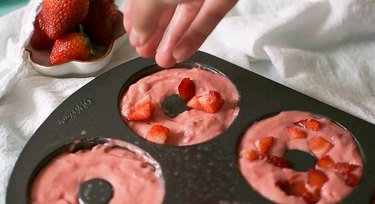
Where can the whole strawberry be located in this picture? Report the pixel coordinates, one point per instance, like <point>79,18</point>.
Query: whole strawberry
<point>39,39</point>
<point>100,20</point>
<point>74,46</point>
<point>62,16</point>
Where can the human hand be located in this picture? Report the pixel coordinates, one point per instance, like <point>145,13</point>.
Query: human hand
<point>172,30</point>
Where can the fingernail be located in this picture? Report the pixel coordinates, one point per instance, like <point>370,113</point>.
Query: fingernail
<point>135,38</point>
<point>182,53</point>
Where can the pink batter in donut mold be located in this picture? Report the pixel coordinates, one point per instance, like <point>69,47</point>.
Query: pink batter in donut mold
<point>263,175</point>
<point>192,126</point>
<point>131,177</point>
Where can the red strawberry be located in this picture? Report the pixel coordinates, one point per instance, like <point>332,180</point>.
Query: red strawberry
<point>295,177</point>
<point>296,133</point>
<point>299,189</point>
<point>351,180</point>
<point>74,46</point>
<point>284,186</point>
<point>210,103</point>
<point>326,162</point>
<point>62,16</point>
<point>100,20</point>
<point>310,124</point>
<point>278,161</point>
<point>39,40</point>
<point>194,103</point>
<point>311,197</point>
<point>157,134</point>
<point>142,109</point>
<point>252,155</point>
<point>345,168</point>
<point>264,146</point>
<point>186,89</point>
<point>319,146</point>
<point>316,178</point>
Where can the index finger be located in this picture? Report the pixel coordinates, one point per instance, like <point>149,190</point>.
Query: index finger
<point>145,17</point>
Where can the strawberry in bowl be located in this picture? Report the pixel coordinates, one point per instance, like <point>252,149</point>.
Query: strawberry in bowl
<point>67,40</point>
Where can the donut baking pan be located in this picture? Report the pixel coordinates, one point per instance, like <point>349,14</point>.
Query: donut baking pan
<point>202,173</point>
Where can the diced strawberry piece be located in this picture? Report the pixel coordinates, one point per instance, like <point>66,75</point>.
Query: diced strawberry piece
<point>278,161</point>
<point>186,89</point>
<point>194,103</point>
<point>252,155</point>
<point>326,162</point>
<point>296,133</point>
<point>351,180</point>
<point>142,109</point>
<point>311,197</point>
<point>316,178</point>
<point>284,186</point>
<point>264,146</point>
<point>345,168</point>
<point>310,124</point>
<point>294,177</point>
<point>298,188</point>
<point>158,134</point>
<point>210,103</point>
<point>319,146</point>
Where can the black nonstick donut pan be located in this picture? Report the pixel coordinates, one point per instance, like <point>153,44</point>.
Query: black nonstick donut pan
<point>201,173</point>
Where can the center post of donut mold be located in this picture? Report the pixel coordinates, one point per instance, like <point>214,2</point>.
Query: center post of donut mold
<point>173,105</point>
<point>300,160</point>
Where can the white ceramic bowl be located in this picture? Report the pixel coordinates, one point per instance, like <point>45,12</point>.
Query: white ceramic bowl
<point>39,59</point>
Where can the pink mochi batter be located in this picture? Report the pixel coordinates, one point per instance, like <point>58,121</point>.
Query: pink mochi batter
<point>262,176</point>
<point>132,179</point>
<point>189,127</point>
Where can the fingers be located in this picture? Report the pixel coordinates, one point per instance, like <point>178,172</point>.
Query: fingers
<point>127,15</point>
<point>144,16</point>
<point>149,48</point>
<point>183,16</point>
<point>193,20</point>
<point>210,14</point>
<point>175,1</point>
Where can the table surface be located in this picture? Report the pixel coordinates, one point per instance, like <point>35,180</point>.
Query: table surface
<point>7,6</point>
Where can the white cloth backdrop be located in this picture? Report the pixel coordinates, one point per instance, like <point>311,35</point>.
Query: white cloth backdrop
<point>323,48</point>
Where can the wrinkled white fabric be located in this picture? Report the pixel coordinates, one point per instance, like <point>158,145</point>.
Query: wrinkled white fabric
<point>322,48</point>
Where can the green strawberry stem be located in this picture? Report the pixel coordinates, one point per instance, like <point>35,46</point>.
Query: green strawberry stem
<point>87,40</point>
